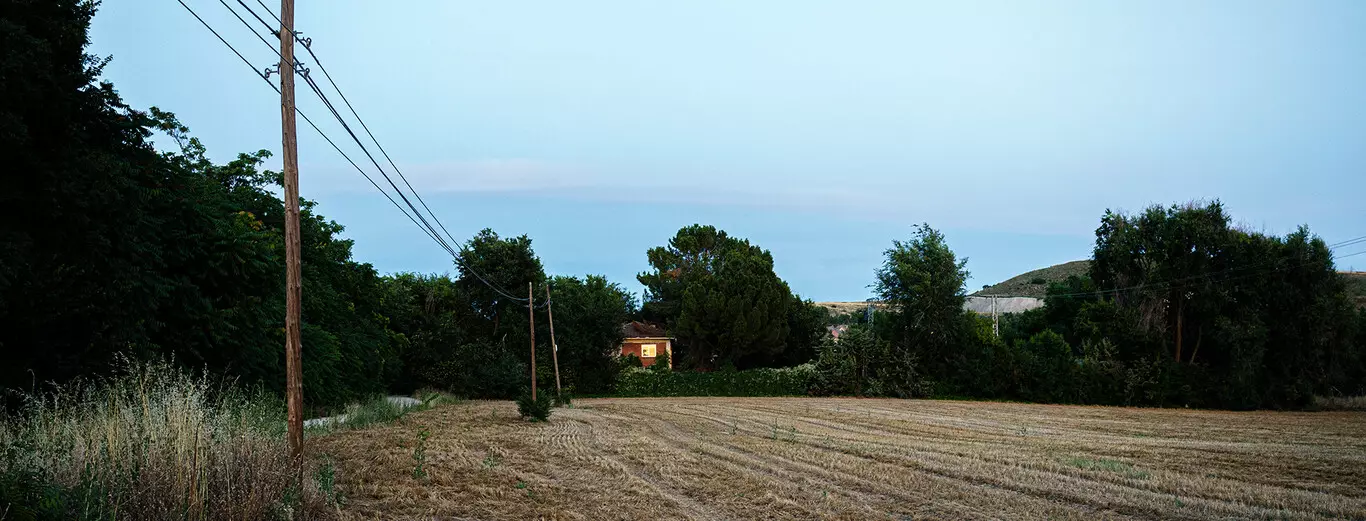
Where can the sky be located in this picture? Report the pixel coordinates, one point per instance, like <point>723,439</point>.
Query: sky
<point>821,131</point>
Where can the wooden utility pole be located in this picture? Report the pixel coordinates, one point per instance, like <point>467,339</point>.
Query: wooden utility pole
<point>554,348</point>
<point>294,388</point>
<point>531,315</point>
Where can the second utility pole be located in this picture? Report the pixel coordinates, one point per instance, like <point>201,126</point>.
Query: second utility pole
<point>531,316</point>
<point>554,348</point>
<point>294,387</point>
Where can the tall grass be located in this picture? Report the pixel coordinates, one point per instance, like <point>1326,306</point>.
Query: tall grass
<point>1339,403</point>
<point>153,443</point>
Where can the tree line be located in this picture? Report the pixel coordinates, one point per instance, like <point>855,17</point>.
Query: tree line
<point>1179,308</point>
<point>111,247</point>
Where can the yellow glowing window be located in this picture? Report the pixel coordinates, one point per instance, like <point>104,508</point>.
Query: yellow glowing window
<point>647,350</point>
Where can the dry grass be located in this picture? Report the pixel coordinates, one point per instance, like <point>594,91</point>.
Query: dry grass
<point>154,444</point>
<point>1339,403</point>
<point>817,458</point>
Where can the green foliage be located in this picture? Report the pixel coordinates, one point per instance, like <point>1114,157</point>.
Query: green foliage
<point>850,365</point>
<point>564,399</point>
<point>537,410</point>
<point>719,295</point>
<point>588,316</point>
<point>661,364</point>
<point>111,248</point>
<point>420,453</point>
<point>923,283</point>
<point>787,381</point>
<point>1179,308</point>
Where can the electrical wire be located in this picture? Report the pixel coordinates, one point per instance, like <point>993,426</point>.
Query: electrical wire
<point>430,230</point>
<point>310,122</point>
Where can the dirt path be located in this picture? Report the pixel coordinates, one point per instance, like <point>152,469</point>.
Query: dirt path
<point>833,458</point>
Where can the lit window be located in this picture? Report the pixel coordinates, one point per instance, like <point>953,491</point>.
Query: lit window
<point>647,350</point>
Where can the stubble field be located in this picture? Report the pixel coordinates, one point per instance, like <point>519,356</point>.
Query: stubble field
<point>844,458</point>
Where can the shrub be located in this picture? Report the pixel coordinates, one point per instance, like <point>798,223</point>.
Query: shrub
<point>152,443</point>
<point>563,399</point>
<point>537,410</point>
<point>787,381</point>
<point>661,363</point>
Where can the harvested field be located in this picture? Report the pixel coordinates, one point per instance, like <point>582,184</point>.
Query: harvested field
<point>845,458</point>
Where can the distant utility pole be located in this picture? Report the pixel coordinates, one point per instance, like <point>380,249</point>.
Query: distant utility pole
<point>995,318</point>
<point>294,388</point>
<point>531,314</point>
<point>554,348</point>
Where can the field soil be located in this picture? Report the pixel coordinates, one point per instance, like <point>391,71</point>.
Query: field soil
<point>846,458</point>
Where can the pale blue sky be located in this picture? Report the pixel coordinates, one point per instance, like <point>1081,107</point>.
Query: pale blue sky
<point>820,130</point>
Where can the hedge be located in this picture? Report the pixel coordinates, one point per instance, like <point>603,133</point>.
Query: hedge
<point>787,381</point>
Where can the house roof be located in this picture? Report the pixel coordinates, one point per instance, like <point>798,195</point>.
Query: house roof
<point>636,329</point>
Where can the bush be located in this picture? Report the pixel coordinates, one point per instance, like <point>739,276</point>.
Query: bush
<point>152,443</point>
<point>661,363</point>
<point>537,410</point>
<point>563,399</point>
<point>787,381</point>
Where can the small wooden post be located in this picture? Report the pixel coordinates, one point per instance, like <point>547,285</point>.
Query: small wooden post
<point>554,348</point>
<point>531,315</point>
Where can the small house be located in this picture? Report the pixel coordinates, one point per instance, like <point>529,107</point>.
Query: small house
<point>647,342</point>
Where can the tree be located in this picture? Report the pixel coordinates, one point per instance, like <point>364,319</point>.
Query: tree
<point>110,248</point>
<point>492,266</point>
<point>720,297</point>
<point>1250,320</point>
<point>850,365</point>
<point>1183,243</point>
<point>923,283</point>
<point>589,313</point>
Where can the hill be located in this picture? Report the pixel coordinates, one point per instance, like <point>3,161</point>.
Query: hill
<point>1035,283</point>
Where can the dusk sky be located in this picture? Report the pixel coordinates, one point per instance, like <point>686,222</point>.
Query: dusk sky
<point>821,131</point>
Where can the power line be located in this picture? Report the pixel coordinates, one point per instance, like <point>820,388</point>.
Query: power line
<point>309,48</point>
<point>307,43</point>
<point>310,122</point>
<point>428,229</point>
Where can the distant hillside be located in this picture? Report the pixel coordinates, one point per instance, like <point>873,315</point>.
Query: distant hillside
<point>840,308</point>
<point>1035,283</point>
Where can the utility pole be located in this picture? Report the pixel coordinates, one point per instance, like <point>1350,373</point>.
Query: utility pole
<point>554,348</point>
<point>294,388</point>
<point>995,318</point>
<point>531,315</point>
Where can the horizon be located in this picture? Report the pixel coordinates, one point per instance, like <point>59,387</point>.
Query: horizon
<point>820,133</point>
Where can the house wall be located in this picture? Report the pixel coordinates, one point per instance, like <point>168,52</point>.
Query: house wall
<point>631,346</point>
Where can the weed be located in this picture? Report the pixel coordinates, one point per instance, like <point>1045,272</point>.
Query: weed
<point>492,460</point>
<point>420,453</point>
<point>154,442</point>
<point>326,478</point>
<point>521,485</point>
<point>1118,467</point>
